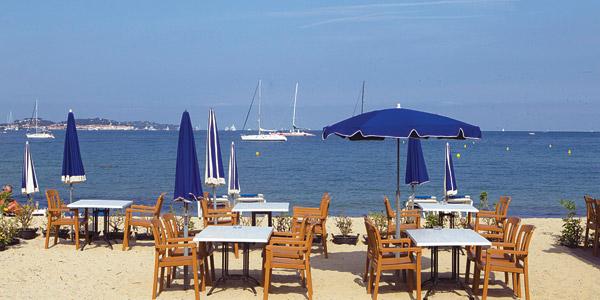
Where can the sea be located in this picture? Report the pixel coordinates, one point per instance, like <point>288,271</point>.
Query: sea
<point>536,170</point>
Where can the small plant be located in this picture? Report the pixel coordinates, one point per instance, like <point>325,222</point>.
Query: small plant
<point>25,215</point>
<point>432,220</point>
<point>283,223</point>
<point>344,224</point>
<point>247,221</point>
<point>8,230</point>
<point>5,198</point>
<point>380,221</point>
<point>117,221</point>
<point>483,201</point>
<point>570,235</point>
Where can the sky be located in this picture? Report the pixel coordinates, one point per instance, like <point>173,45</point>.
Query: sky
<point>518,65</point>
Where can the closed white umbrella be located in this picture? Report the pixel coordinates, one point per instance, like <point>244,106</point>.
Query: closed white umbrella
<point>29,183</point>
<point>213,171</point>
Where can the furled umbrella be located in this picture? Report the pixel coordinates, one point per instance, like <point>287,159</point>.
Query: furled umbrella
<point>72,167</point>
<point>213,171</point>
<point>233,181</point>
<point>187,174</point>
<point>400,123</point>
<point>29,183</point>
<point>416,170</point>
<point>450,188</point>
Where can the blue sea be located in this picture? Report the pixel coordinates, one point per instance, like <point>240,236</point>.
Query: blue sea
<point>536,170</point>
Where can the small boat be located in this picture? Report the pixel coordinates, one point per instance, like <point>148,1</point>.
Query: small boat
<point>295,130</point>
<point>37,134</point>
<point>532,133</point>
<point>264,135</point>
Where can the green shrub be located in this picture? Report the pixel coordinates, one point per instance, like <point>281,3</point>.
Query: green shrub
<point>432,220</point>
<point>8,230</point>
<point>283,223</point>
<point>25,216</point>
<point>380,221</point>
<point>344,224</point>
<point>570,235</point>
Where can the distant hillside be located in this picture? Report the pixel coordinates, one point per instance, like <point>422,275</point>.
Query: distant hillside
<point>135,125</point>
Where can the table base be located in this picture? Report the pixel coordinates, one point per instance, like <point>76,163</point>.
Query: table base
<point>269,217</point>
<point>435,280</point>
<point>95,234</point>
<point>245,277</point>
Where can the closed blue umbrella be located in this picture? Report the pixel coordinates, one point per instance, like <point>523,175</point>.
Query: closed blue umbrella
<point>233,186</point>
<point>416,170</point>
<point>29,183</point>
<point>72,167</point>
<point>449,179</point>
<point>213,171</point>
<point>187,172</point>
<point>401,123</point>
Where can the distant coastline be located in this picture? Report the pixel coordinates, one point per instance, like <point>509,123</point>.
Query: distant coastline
<point>91,124</point>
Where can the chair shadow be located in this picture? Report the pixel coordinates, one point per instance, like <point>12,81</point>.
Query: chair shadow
<point>582,253</point>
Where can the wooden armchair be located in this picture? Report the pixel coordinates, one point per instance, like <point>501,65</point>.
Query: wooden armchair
<point>205,252</point>
<point>507,260</point>
<point>592,223</point>
<point>382,258</point>
<point>163,247</point>
<point>220,216</point>
<point>141,217</point>
<point>508,241</point>
<point>295,254</point>
<point>296,232</point>
<point>494,230</point>
<point>411,217</point>
<point>56,218</point>
<point>319,215</point>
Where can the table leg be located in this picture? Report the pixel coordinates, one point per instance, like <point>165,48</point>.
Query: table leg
<point>106,226</point>
<point>253,218</point>
<point>88,238</point>
<point>270,218</point>
<point>245,276</point>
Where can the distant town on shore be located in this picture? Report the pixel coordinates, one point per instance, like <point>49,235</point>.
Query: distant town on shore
<point>88,124</point>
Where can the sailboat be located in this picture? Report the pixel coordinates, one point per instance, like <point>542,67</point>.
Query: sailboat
<point>10,123</point>
<point>295,130</point>
<point>264,135</point>
<point>38,134</point>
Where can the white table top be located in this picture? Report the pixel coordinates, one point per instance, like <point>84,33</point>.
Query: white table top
<point>262,207</point>
<point>448,207</point>
<point>234,234</point>
<point>446,237</point>
<point>100,203</point>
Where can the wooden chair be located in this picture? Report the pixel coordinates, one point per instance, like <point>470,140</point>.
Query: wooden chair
<point>592,222</point>
<point>319,215</point>
<point>220,216</point>
<point>383,258</point>
<point>165,245</point>
<point>508,241</point>
<point>411,219</point>
<point>494,230</point>
<point>57,218</point>
<point>506,260</point>
<point>297,231</point>
<point>145,212</point>
<point>205,252</point>
<point>295,254</point>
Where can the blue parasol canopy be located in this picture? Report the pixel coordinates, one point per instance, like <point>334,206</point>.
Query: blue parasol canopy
<point>29,183</point>
<point>233,186</point>
<point>449,177</point>
<point>187,172</point>
<point>401,123</point>
<point>72,167</point>
<point>213,171</point>
<point>416,170</point>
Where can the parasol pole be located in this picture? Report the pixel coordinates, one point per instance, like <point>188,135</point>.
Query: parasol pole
<point>398,209</point>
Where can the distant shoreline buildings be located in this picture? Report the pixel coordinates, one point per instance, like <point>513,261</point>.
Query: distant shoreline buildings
<point>92,124</point>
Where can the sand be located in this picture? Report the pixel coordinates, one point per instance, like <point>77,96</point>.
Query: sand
<point>31,272</point>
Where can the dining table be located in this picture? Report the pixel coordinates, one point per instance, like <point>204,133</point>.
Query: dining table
<point>446,209</point>
<point>99,206</point>
<point>267,208</point>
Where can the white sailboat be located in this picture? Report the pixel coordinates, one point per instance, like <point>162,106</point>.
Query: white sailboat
<point>264,135</point>
<point>37,134</point>
<point>295,130</point>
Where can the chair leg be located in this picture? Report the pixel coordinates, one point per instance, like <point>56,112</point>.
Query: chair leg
<point>596,238</point>
<point>48,229</point>
<point>370,279</point>
<point>377,278</point>
<point>235,250</point>
<point>467,269</point>
<point>418,282</point>
<point>266,281</point>
<point>155,283</point>
<point>162,279</point>
<point>486,279</point>
<point>57,228</point>
<point>169,276</point>
<point>366,275</point>
<point>526,280</point>
<point>324,242</point>
<point>195,271</point>
<point>212,268</point>
<point>585,239</point>
<point>517,284</point>
<point>476,278</point>
<point>76,232</point>
<point>409,281</point>
<point>126,232</point>
<point>309,281</point>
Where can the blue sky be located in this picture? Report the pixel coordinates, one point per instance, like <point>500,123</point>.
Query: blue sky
<point>519,65</point>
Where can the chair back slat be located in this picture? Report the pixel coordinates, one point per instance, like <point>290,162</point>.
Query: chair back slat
<point>170,223</point>
<point>158,205</point>
<point>511,227</point>
<point>391,214</point>
<point>590,207</point>
<point>524,238</point>
<point>324,207</point>
<point>159,233</point>
<point>54,202</point>
<point>502,206</point>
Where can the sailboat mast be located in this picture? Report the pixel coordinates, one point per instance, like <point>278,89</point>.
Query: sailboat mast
<point>362,99</point>
<point>259,104</point>
<point>36,116</point>
<point>294,110</point>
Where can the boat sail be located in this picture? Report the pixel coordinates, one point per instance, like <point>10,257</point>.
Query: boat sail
<point>295,130</point>
<point>264,135</point>
<point>37,134</point>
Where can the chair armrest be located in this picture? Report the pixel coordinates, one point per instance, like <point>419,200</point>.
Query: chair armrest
<point>134,210</point>
<point>505,251</point>
<point>60,209</point>
<point>180,240</point>
<point>270,248</point>
<point>135,206</point>
<point>395,241</point>
<point>171,246</point>
<point>503,245</point>
<point>400,250</point>
<point>307,211</point>
<point>486,213</point>
<point>282,234</point>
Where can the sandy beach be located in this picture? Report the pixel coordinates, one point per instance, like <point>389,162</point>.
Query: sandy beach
<point>97,272</point>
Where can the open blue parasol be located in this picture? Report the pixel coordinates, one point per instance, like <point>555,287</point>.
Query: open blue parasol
<point>400,123</point>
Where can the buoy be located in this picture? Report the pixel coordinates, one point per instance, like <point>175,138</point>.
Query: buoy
<point>569,152</point>
<point>457,155</point>
<point>257,153</point>
<point>465,146</point>
<point>507,148</point>
<point>550,146</point>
